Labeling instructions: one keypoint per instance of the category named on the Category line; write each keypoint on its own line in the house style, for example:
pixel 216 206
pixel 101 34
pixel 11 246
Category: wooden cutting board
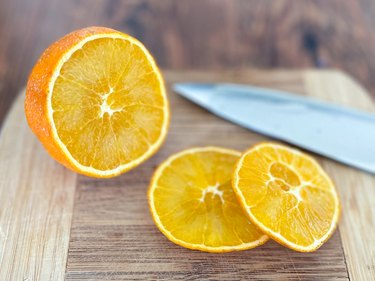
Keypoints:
pixel 57 225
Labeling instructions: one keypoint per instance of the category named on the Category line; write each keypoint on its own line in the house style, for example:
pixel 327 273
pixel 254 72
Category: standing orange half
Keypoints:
pixel 97 102
pixel 287 195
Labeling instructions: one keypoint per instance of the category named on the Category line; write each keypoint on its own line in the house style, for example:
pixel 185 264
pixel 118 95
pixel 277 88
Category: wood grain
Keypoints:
pixel 36 205
pixel 356 188
pixel 113 236
pixel 199 34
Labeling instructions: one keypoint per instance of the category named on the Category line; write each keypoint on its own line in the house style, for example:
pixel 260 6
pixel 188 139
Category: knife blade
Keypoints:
pixel 343 134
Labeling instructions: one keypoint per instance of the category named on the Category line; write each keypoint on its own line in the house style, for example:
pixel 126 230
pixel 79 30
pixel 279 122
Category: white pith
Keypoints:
pixel 214 190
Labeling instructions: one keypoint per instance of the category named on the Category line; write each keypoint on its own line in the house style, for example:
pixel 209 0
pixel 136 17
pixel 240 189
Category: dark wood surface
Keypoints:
pixel 113 236
pixel 199 34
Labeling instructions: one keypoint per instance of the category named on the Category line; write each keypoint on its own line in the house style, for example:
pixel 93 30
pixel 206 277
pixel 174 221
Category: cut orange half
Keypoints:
pixel 193 204
pixel 287 195
pixel 97 102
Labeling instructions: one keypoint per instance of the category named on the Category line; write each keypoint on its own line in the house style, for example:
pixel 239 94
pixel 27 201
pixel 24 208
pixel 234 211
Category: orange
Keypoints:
pixel 97 102
pixel 193 204
pixel 287 195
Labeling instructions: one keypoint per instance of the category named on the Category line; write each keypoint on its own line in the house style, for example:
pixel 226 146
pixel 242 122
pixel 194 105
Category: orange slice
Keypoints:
pixel 193 204
pixel 287 195
pixel 97 102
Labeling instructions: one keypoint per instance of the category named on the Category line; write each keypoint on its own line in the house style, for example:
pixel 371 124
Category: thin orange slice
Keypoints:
pixel 193 204
pixel 97 102
pixel 287 195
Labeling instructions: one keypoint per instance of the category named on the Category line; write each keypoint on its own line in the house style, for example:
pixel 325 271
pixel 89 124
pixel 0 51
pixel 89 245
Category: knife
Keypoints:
pixel 343 134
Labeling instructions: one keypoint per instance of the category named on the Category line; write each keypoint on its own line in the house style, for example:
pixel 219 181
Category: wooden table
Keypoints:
pixel 199 34
pixel 55 225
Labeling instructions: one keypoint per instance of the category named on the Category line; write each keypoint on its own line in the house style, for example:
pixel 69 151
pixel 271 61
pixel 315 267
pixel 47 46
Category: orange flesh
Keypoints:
pixel 192 198
pixel 106 102
pixel 287 195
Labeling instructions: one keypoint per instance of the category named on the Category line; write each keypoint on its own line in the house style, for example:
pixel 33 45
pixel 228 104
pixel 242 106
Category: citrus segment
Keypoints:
pixel 193 204
pixel 103 108
pixel 287 195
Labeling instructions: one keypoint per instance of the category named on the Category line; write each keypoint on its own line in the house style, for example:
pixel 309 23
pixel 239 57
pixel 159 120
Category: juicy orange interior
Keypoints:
pixel 287 193
pixel 195 201
pixel 107 103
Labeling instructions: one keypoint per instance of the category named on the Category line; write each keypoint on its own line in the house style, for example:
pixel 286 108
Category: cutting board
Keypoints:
pixel 56 225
